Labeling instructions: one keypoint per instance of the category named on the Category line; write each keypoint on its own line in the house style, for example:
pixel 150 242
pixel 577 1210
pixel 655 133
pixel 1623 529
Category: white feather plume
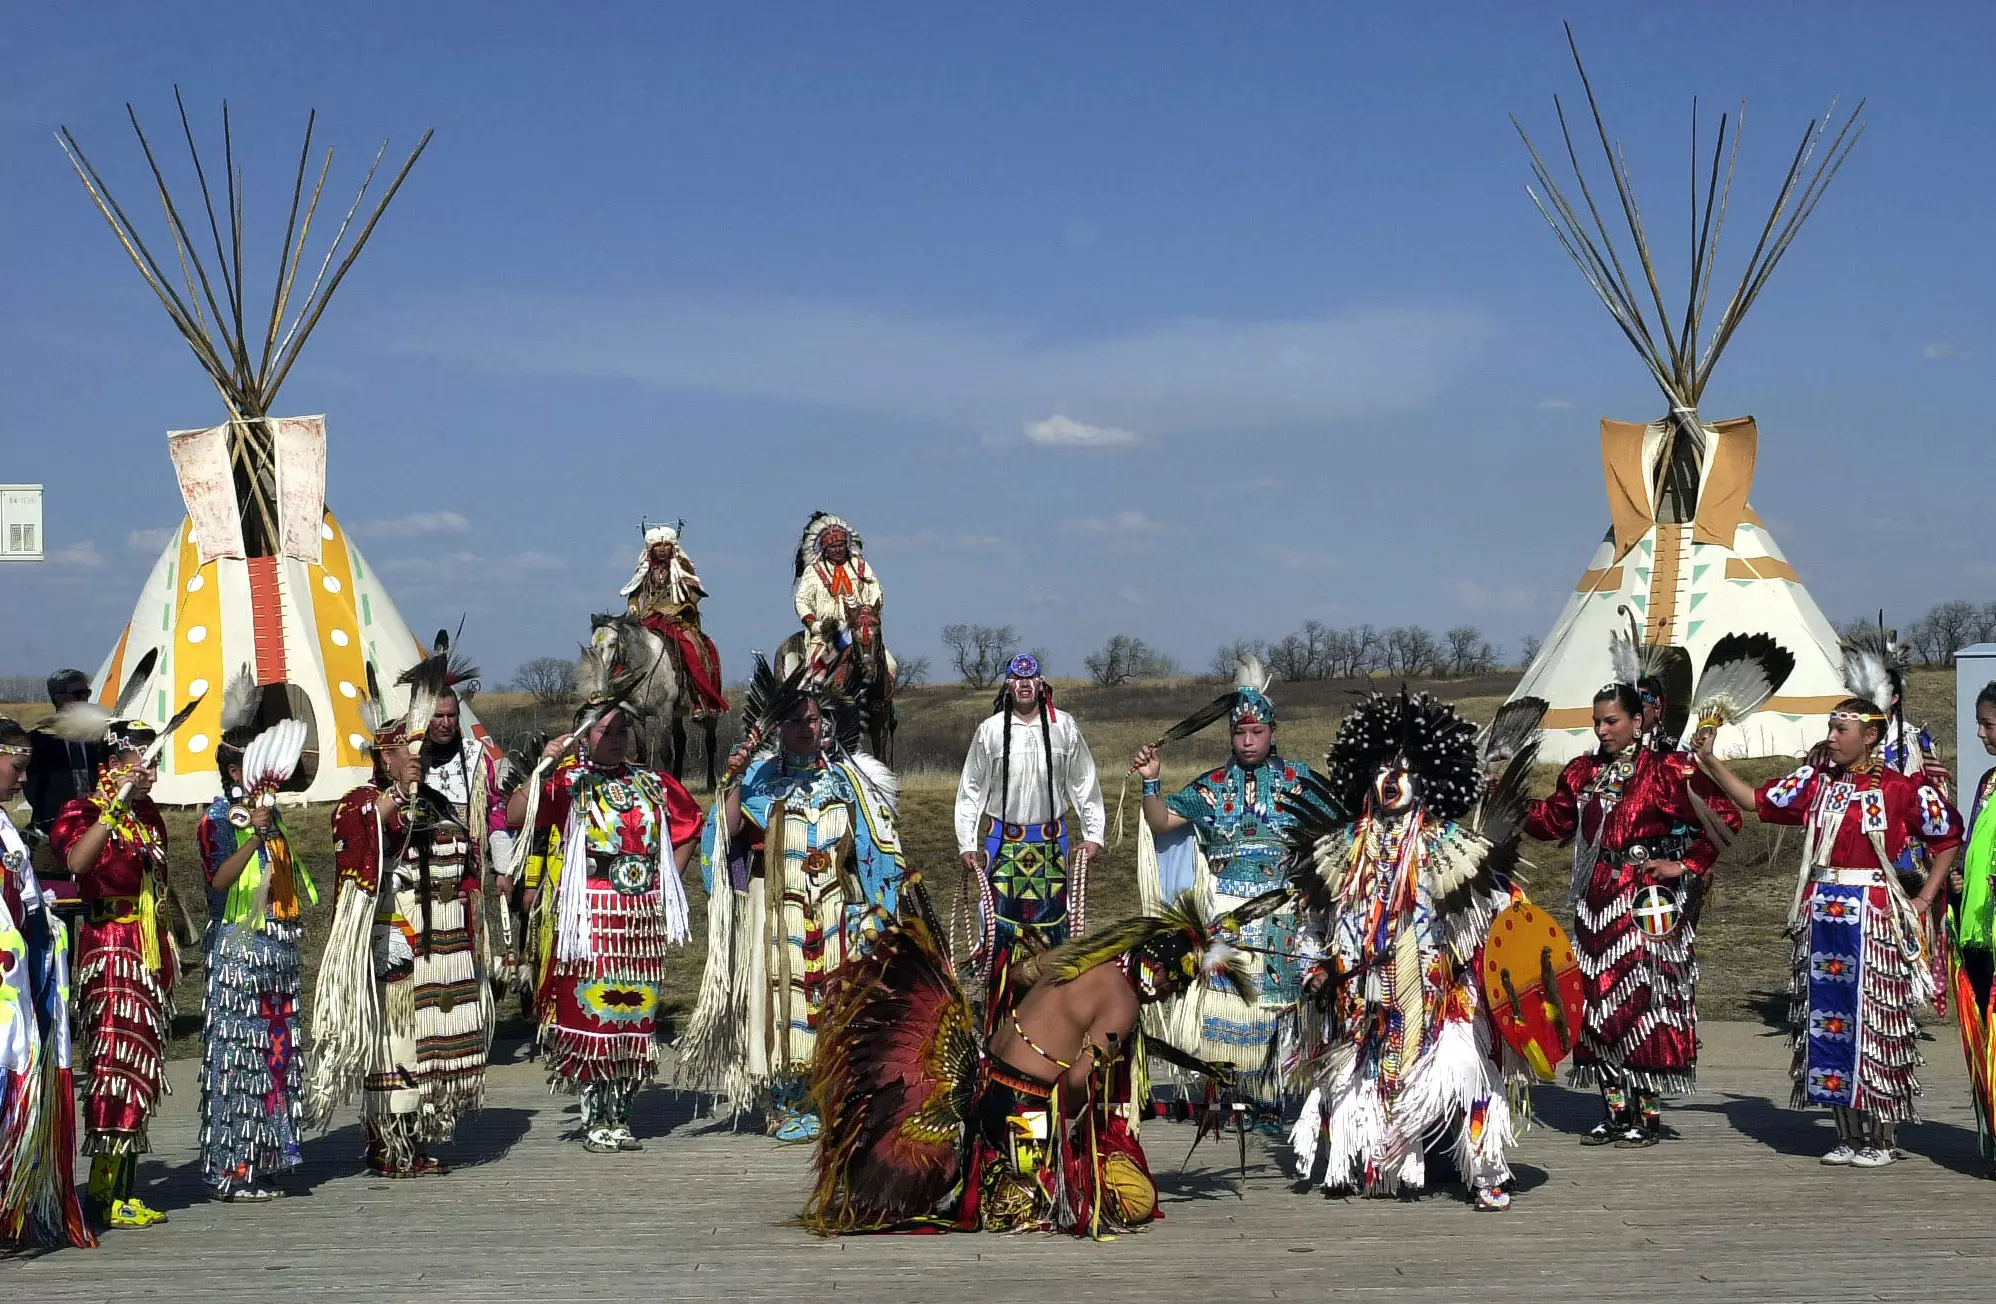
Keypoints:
pixel 1250 673
pixel 1625 658
pixel 273 755
pixel 81 722
pixel 239 700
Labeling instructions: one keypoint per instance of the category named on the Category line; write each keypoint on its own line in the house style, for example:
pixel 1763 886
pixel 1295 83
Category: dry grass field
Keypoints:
pixel 1742 954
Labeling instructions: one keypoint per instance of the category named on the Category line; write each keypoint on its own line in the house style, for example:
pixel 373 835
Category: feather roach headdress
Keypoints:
pixel 1741 673
pixel 441 671
pixel 1168 951
pixel 814 532
pixel 1875 666
pixel 1662 669
pixel 1438 746
pixel 1246 700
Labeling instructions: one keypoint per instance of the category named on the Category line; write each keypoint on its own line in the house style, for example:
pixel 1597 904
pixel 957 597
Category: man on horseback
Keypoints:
pixel 665 594
pixel 838 595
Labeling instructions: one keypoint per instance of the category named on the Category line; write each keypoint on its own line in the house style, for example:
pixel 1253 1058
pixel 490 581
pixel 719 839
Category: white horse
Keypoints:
pixel 620 644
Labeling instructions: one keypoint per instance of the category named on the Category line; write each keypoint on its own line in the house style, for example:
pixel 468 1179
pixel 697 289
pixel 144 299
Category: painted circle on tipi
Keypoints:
pixel 339 637
pixel 197 634
pixel 332 583
pixel 198 743
pixel 197 688
pixel 359 743
pixel 194 584
pixel 346 689
pixel 325 530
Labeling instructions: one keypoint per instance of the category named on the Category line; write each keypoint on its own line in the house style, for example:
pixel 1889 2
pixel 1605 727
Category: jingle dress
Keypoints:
pixel 252 1060
pixel 1636 950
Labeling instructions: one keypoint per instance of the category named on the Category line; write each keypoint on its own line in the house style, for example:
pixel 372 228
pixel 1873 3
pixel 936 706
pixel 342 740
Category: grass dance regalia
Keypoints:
pixel 665 594
pixel 927 1126
pixel 611 906
pixel 402 1010
pixel 252 1061
pixel 1022 773
pixel 1646 827
pixel 1398 886
pixel 115 842
pixel 1973 924
pixel 1861 945
pixel 1224 837
pixel 38 1199
pixel 803 869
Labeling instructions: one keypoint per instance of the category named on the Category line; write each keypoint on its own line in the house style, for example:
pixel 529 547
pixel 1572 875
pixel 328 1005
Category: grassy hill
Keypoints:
pixel 1743 956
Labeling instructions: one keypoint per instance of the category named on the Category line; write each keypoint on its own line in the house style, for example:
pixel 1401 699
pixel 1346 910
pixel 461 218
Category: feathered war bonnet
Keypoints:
pixel 1438 746
pixel 1170 950
pixel 653 535
pixel 813 541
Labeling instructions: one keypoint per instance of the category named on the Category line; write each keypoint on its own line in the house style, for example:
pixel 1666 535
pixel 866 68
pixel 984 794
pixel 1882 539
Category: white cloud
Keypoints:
pixel 82 555
pixel 1058 431
pixel 1552 405
pixel 1940 350
pixel 416 525
pixel 150 541
pixel 1183 377
pixel 1124 523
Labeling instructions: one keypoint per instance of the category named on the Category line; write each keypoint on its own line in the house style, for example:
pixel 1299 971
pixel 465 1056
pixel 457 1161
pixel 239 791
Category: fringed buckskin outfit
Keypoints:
pixel 402 1008
pixel 814 876
pixel 1638 963
pixel 613 905
pixel 1859 969
pixel 39 1205
pixel 252 1060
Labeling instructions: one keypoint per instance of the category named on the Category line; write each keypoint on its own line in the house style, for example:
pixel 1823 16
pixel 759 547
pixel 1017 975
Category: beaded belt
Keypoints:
pixel 119 910
pixel 1848 877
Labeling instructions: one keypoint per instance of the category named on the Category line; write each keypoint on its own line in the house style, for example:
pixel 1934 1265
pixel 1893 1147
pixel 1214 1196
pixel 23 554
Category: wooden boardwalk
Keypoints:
pixel 1737 1209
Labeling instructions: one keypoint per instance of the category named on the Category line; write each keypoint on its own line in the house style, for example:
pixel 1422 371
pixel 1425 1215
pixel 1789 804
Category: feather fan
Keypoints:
pixel 239 700
pixel 1515 725
pixel 1742 672
pixel 272 756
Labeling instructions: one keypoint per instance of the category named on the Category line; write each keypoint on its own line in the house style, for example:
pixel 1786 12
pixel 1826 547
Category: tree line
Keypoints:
pixel 1934 638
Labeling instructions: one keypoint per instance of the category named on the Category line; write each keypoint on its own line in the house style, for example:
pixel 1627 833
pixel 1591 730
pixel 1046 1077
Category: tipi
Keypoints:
pixel 260 574
pixel 1685 554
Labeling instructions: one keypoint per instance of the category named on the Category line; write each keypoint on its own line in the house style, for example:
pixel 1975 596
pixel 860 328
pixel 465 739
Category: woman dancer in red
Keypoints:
pixel 1642 823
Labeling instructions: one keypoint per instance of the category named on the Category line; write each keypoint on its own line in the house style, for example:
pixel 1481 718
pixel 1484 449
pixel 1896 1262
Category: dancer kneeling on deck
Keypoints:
pixel 1035 1131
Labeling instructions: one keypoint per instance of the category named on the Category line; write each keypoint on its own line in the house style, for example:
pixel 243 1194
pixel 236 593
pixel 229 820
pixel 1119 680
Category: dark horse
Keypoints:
pixel 865 674
pixel 619 644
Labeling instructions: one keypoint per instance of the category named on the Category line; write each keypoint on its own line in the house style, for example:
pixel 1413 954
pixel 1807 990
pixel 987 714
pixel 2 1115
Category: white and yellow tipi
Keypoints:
pixel 260 574
pixel 1685 554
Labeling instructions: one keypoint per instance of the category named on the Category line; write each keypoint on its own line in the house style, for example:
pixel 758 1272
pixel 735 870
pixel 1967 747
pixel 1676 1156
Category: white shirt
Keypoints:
pixel 1074 779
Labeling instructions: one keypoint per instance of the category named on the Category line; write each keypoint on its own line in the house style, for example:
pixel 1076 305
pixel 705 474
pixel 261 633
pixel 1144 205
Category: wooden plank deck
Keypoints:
pixel 1737 1209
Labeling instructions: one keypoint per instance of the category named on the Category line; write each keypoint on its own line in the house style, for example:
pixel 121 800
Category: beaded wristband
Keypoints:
pixel 1153 787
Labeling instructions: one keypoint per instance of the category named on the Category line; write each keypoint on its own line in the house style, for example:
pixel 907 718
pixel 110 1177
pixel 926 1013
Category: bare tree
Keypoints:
pixel 551 680
pixel 1411 650
pixel 1230 655
pixel 1358 651
pixel 1467 651
pixel 1528 650
pixel 1124 658
pixel 1945 630
pixel 980 651
pixel 910 671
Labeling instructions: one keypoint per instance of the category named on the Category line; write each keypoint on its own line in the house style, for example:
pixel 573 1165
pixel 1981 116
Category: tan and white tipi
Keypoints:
pixel 1685 554
pixel 259 574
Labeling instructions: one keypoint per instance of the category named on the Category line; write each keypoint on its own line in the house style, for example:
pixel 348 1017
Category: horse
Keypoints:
pixel 866 676
pixel 619 644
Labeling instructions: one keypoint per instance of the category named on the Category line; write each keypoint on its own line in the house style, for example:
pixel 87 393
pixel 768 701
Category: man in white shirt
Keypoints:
pixel 1028 766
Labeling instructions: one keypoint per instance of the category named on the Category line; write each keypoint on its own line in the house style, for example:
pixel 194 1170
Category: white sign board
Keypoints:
pixel 20 522
pixel 1974 669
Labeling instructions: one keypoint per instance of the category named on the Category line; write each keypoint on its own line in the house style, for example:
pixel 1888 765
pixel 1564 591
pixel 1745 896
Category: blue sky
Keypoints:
pixel 1273 266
